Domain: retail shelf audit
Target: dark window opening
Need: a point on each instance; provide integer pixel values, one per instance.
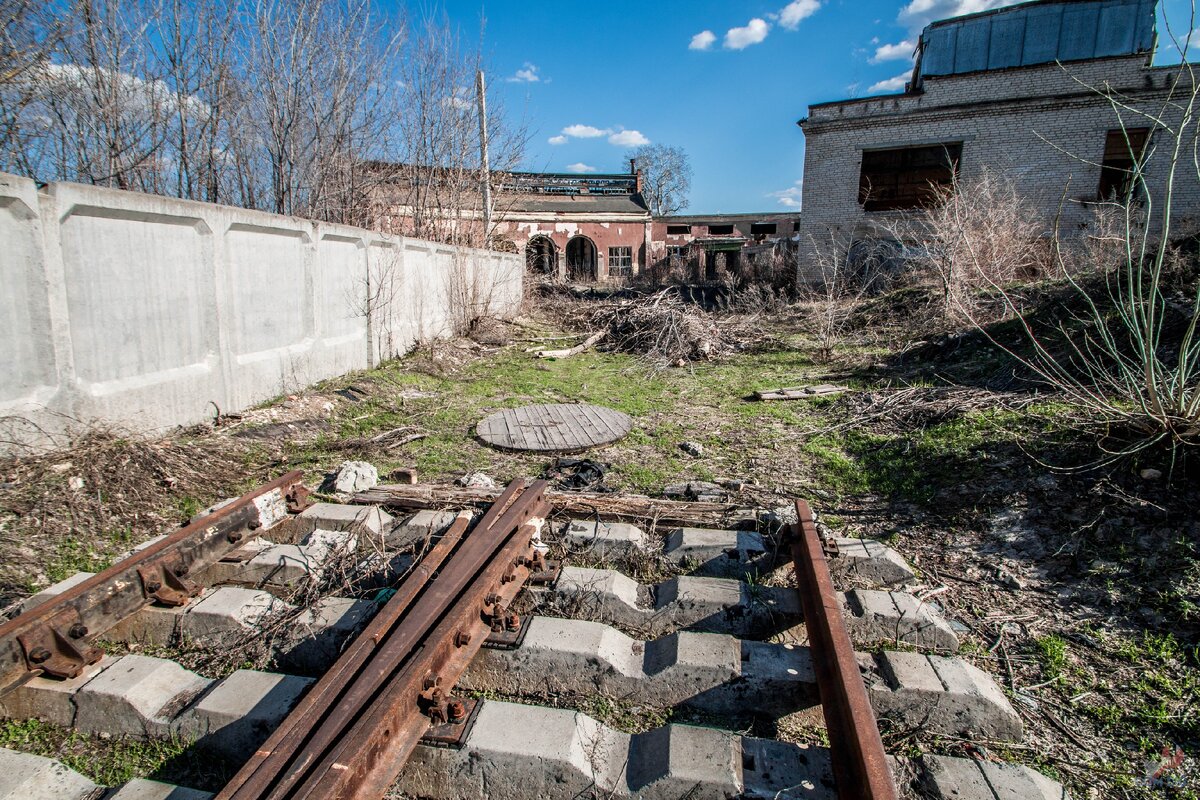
(676, 251)
(720, 230)
(906, 177)
(796, 226)
(1123, 150)
(678, 230)
(620, 260)
(762, 227)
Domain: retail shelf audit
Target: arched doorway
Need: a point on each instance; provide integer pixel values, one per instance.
(581, 259)
(541, 257)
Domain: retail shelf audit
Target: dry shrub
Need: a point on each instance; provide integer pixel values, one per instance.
(975, 235)
(77, 507)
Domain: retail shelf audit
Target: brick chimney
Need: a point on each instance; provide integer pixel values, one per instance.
(637, 173)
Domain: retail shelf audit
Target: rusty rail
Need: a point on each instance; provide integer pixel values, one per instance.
(351, 734)
(860, 768)
(54, 638)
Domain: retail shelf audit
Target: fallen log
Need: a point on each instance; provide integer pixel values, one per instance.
(800, 392)
(576, 350)
(581, 504)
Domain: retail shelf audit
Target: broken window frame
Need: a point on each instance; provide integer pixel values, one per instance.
(914, 178)
(1124, 149)
(620, 261)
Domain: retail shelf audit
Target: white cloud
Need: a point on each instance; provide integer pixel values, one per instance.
(752, 32)
(789, 197)
(579, 166)
(584, 132)
(795, 11)
(527, 74)
(894, 52)
(628, 139)
(919, 13)
(895, 84)
(702, 40)
(557, 140)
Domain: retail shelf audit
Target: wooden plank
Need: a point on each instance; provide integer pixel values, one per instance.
(583, 504)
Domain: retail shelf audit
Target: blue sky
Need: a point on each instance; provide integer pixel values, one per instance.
(597, 76)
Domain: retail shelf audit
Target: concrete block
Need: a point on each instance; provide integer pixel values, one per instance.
(238, 713)
(869, 563)
(29, 777)
(419, 526)
(154, 624)
(229, 610)
(724, 675)
(713, 605)
(603, 539)
(318, 636)
(231, 569)
(281, 565)
(892, 617)
(137, 695)
(324, 544)
(719, 605)
(50, 699)
(683, 760)
(142, 789)
(55, 590)
(774, 770)
(950, 695)
(561, 753)
(946, 778)
(370, 521)
(717, 553)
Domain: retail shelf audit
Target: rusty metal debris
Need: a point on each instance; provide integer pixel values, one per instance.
(352, 733)
(860, 768)
(54, 638)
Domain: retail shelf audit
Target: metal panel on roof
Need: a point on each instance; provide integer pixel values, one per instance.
(1038, 33)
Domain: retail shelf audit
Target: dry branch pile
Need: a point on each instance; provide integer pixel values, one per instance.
(664, 328)
(75, 508)
(913, 408)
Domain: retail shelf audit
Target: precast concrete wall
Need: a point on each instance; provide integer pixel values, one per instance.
(144, 311)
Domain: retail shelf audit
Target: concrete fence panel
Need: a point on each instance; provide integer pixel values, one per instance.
(148, 312)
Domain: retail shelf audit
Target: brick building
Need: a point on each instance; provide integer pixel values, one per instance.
(1015, 91)
(708, 244)
(582, 228)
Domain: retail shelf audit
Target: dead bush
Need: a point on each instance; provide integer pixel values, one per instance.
(975, 235)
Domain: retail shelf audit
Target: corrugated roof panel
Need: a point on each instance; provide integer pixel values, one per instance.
(1078, 39)
(973, 41)
(1042, 28)
(1038, 33)
(1118, 24)
(938, 55)
(1008, 42)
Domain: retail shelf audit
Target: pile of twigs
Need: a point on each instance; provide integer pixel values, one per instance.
(664, 328)
(77, 507)
(913, 408)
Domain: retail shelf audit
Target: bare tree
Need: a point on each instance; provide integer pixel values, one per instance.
(666, 177)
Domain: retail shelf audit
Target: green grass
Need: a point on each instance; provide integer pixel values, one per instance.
(115, 760)
(1052, 651)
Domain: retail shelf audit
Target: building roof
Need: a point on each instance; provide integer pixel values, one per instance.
(1038, 32)
(572, 204)
(766, 216)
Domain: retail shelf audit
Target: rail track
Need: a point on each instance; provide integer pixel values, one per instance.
(414, 692)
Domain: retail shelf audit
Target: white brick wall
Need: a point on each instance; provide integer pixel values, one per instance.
(1045, 126)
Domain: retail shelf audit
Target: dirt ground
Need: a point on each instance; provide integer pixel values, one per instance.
(1077, 589)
